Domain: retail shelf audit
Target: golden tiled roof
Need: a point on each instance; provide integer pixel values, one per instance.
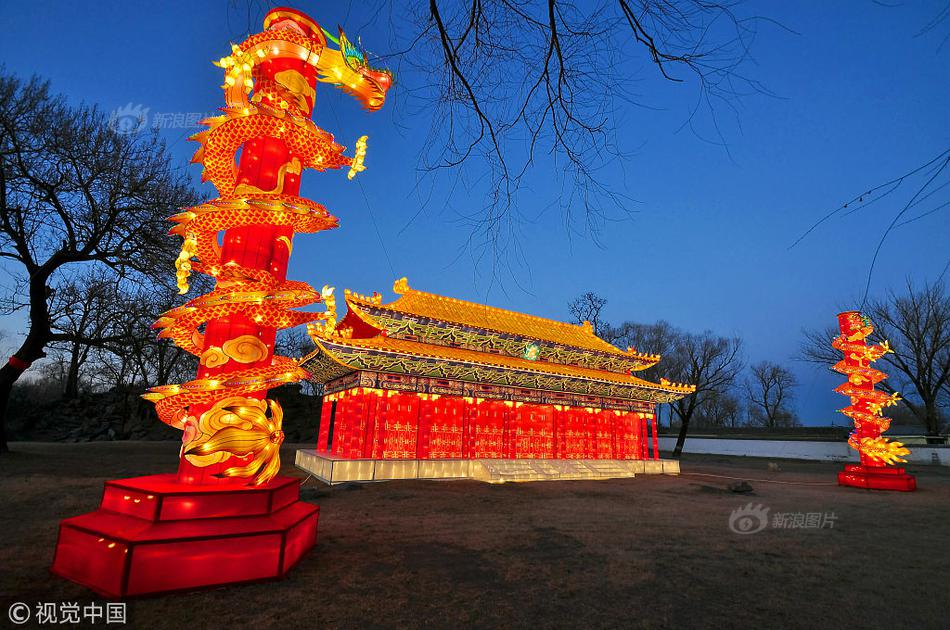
(415, 348)
(440, 307)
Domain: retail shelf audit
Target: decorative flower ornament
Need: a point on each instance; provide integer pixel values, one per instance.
(239, 427)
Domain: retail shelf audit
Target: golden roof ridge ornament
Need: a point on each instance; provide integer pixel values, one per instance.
(474, 314)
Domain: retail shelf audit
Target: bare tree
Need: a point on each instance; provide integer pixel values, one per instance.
(132, 355)
(769, 390)
(917, 325)
(293, 342)
(658, 338)
(587, 308)
(708, 361)
(719, 409)
(83, 311)
(74, 191)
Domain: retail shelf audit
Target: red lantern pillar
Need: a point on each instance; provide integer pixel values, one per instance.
(645, 423)
(656, 439)
(261, 247)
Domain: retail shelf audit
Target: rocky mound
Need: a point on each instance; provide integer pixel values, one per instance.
(124, 415)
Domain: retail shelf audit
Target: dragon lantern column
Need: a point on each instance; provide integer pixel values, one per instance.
(266, 166)
(877, 453)
(171, 532)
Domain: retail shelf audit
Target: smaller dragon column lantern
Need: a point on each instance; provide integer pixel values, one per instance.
(877, 453)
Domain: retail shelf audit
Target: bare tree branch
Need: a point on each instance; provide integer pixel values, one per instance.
(769, 390)
(515, 81)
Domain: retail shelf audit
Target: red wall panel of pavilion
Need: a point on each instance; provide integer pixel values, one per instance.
(627, 436)
(488, 438)
(602, 443)
(395, 425)
(401, 426)
(446, 423)
(574, 440)
(531, 432)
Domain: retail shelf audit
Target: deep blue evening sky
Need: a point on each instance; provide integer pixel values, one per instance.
(860, 100)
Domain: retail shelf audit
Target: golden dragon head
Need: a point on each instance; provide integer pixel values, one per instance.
(348, 70)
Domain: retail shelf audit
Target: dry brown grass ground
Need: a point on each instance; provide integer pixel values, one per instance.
(653, 551)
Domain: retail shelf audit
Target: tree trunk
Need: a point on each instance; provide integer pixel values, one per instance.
(6, 386)
(9, 374)
(681, 438)
(71, 390)
(32, 349)
(932, 420)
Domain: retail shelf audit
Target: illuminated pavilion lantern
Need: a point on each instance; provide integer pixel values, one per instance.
(429, 386)
(226, 516)
(878, 454)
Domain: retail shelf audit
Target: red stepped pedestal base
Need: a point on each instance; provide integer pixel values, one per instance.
(155, 535)
(876, 478)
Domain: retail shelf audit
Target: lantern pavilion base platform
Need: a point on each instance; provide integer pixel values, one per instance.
(154, 535)
(333, 470)
(876, 478)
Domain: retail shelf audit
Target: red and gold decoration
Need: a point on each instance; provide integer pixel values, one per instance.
(878, 454)
(226, 516)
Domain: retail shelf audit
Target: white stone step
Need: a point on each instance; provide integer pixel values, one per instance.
(503, 470)
(332, 470)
